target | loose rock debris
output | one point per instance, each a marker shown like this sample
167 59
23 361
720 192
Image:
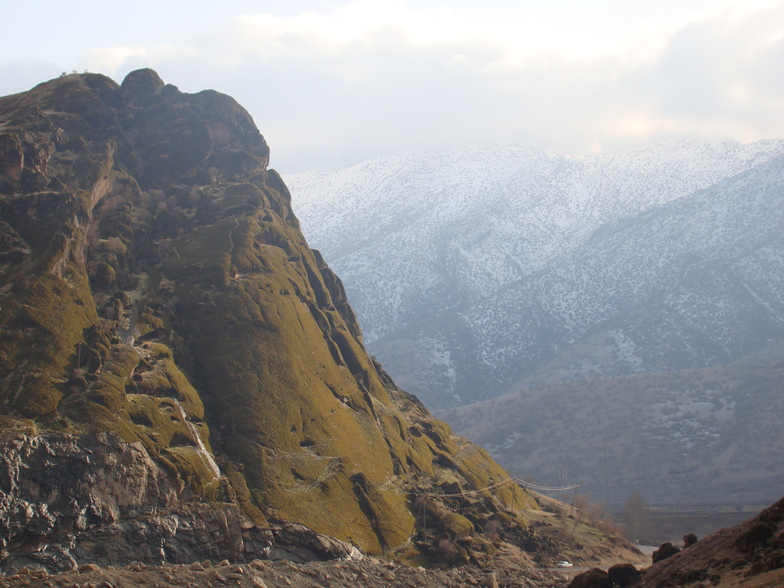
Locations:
367 573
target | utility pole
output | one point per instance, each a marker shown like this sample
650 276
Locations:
606 478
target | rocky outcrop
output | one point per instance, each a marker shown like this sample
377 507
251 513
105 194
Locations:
68 499
107 502
665 551
689 539
623 575
748 554
593 578
181 376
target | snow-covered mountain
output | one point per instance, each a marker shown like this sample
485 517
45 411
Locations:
484 269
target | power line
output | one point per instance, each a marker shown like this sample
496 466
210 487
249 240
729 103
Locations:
528 485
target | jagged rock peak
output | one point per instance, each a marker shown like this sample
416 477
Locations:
140 85
163 137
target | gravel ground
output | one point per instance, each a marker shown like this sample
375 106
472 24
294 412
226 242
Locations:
283 574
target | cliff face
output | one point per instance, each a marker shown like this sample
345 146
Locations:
179 371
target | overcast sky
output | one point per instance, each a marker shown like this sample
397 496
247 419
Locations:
333 83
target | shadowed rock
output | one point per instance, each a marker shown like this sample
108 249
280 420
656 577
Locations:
665 550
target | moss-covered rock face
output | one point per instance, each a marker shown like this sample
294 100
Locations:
154 283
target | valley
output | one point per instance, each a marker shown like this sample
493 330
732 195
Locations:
691 437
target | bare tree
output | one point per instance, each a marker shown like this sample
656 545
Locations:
636 516
595 514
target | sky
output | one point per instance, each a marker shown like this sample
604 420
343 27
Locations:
333 83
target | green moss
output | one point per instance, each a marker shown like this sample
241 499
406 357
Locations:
256 344
192 465
202 255
90 417
40 341
330 506
243 495
109 389
148 323
239 199
161 419
386 510
456 524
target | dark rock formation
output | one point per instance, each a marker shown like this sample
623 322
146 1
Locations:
689 540
623 575
181 376
665 550
756 536
593 578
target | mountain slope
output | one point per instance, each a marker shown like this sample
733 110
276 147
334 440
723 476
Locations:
749 554
699 436
692 283
498 264
181 376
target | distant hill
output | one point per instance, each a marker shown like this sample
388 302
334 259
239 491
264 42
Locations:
484 270
699 436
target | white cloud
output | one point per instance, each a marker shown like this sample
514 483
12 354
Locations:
112 59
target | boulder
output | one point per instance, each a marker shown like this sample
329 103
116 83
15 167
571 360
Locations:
666 550
593 578
624 574
689 540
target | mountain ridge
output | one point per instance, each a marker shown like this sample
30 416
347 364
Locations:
436 326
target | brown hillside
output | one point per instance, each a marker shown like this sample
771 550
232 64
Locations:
750 554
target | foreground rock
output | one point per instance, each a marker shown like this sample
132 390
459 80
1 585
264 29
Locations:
181 376
260 574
